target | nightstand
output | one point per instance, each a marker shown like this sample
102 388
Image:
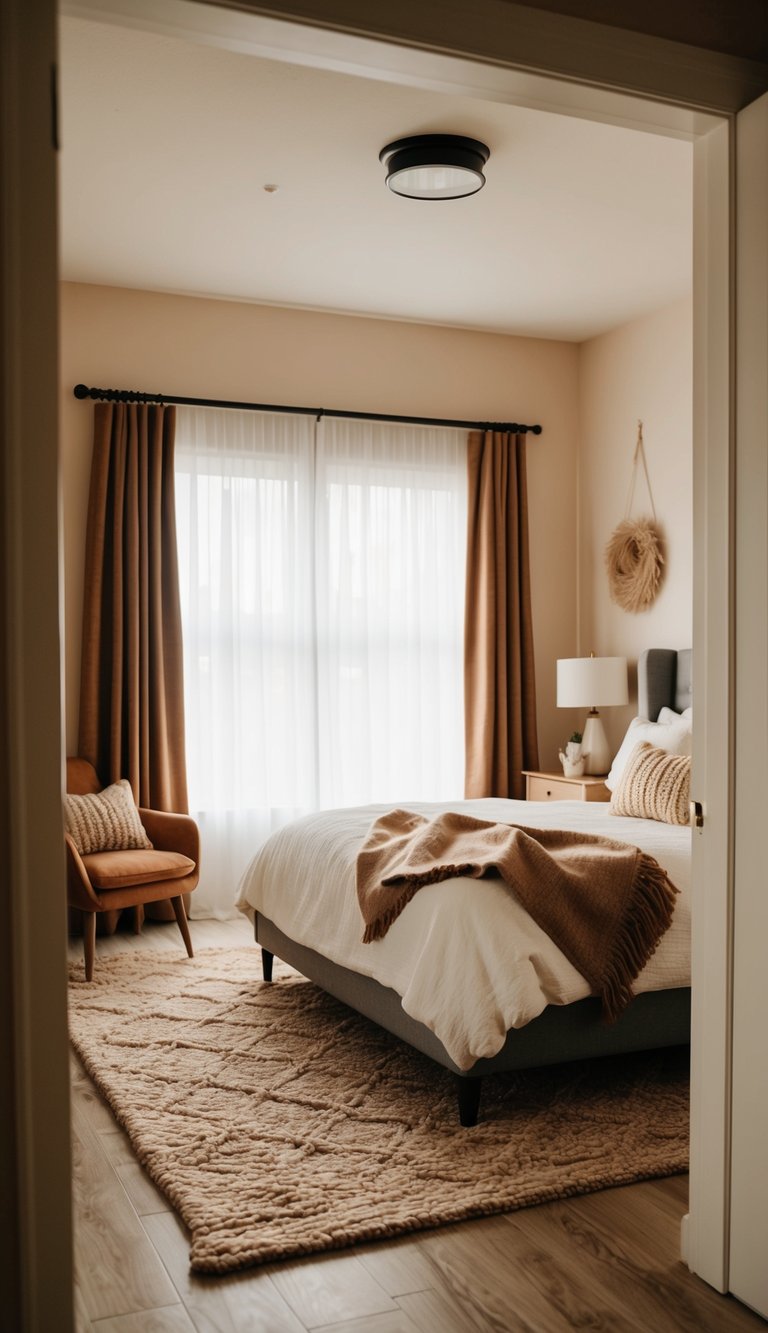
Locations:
554 787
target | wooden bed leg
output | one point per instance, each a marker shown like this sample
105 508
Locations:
267 960
469 1100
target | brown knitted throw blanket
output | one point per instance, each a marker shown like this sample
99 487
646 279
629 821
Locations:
605 904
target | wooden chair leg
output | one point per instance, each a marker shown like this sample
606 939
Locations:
181 917
89 942
138 918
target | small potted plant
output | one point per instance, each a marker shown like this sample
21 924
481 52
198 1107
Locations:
573 757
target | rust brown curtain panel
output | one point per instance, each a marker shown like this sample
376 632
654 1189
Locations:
499 685
131 683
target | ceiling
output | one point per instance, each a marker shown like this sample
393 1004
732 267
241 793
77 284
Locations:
167 147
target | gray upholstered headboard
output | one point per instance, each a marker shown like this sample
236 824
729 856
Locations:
663 681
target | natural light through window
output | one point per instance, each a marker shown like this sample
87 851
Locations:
322 580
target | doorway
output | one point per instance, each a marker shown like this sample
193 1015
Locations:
713 603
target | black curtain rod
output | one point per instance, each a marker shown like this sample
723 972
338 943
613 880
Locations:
133 396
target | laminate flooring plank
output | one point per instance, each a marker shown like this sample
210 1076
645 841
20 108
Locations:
399 1266
82 1319
474 1266
437 1312
664 1289
116 1145
645 1221
330 1288
88 1101
163 936
675 1187
244 1301
376 1323
77 1072
233 934
671 1198
586 1290
117 1269
170 1319
143 1194
117 1149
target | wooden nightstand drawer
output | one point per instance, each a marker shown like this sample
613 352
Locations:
554 787
550 789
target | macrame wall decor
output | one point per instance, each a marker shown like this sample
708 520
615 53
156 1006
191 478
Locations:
633 556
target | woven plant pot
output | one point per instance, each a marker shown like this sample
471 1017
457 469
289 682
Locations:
634 561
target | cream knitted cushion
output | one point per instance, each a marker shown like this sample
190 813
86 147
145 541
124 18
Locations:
654 785
107 821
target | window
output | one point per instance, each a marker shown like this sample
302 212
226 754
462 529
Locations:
322 581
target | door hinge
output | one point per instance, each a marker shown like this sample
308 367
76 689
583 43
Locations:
696 814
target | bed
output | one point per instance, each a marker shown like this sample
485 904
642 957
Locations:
464 974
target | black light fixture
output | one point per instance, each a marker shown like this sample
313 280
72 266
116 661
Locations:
435 166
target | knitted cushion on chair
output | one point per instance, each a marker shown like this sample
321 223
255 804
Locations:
108 821
654 785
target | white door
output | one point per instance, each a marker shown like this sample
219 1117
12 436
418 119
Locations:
748 1278
724 1239
705 1241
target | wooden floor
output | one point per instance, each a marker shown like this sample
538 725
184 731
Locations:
606 1261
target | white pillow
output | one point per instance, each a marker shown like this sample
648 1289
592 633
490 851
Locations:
673 737
669 715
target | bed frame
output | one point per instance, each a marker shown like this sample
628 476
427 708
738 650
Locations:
562 1032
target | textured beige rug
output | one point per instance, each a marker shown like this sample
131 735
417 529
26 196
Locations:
280 1123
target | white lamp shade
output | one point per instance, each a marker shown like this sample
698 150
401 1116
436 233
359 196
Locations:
591 682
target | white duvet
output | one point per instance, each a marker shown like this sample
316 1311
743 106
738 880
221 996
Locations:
464 956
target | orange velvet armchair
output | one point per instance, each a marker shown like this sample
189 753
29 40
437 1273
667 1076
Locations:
105 881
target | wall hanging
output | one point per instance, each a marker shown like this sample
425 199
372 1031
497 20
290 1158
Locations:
633 556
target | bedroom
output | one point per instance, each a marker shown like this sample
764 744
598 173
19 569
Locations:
592 387
559 531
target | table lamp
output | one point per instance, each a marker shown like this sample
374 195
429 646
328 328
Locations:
592 682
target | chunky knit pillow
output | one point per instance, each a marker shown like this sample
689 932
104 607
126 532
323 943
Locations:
107 821
654 785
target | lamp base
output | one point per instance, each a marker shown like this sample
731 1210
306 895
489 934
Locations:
594 745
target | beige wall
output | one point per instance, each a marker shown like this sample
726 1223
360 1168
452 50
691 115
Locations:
120 338
642 370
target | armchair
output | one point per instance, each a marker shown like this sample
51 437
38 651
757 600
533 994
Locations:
105 881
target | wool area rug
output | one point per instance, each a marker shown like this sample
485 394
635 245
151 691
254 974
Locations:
279 1123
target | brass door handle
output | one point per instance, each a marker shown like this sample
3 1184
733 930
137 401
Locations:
696 814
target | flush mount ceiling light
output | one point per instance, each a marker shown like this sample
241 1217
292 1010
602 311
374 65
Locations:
435 166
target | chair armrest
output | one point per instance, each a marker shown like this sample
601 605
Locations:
79 889
172 833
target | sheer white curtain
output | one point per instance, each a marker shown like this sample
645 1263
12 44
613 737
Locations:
322 585
391 542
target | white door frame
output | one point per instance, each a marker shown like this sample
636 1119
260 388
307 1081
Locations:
519 56
705 1229
748 1277
35 1210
